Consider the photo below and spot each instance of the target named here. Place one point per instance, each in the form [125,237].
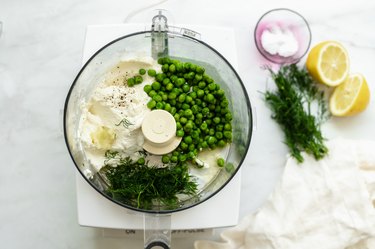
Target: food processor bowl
[177,46]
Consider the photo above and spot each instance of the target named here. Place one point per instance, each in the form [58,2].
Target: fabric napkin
[326,204]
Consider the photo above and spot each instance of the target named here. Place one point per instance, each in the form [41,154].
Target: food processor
[161,40]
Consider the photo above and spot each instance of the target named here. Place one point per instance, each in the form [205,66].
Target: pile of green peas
[196,102]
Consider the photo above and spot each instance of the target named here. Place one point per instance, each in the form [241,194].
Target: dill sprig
[144,186]
[125,122]
[292,108]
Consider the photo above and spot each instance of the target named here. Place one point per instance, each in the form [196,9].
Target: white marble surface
[40,54]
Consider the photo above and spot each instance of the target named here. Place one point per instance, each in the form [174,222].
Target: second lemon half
[328,63]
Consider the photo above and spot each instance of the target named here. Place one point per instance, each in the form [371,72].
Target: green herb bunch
[292,108]
[140,185]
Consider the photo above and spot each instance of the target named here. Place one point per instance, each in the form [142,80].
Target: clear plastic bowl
[185,49]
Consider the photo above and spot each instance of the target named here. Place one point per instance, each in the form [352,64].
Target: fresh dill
[292,107]
[125,122]
[144,186]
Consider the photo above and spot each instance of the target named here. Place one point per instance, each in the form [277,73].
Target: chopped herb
[126,123]
[291,105]
[140,185]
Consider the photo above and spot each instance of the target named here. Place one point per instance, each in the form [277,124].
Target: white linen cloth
[326,204]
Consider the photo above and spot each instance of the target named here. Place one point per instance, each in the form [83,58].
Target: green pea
[156,85]
[166,81]
[165,68]
[199,70]
[176,117]
[211,140]
[183,120]
[227,134]
[211,132]
[205,111]
[184,146]
[210,98]
[191,154]
[138,79]
[219,135]
[147,88]
[173,78]
[193,67]
[201,85]
[157,98]
[165,159]
[204,126]
[159,77]
[204,145]
[211,86]
[221,143]
[174,159]
[220,93]
[161,60]
[188,140]
[142,71]
[185,106]
[217,109]
[180,82]
[229,167]
[151,72]
[173,110]
[159,105]
[180,133]
[182,97]
[228,116]
[141,161]
[224,103]
[172,95]
[172,68]
[152,93]
[188,113]
[167,107]
[220,162]
[192,146]
[207,78]
[151,104]
[198,115]
[228,127]
[182,158]
[191,75]
[178,126]
[195,134]
[198,77]
[185,88]
[188,127]
[179,67]
[219,127]
[224,111]
[216,120]
[169,87]
[131,82]
[164,96]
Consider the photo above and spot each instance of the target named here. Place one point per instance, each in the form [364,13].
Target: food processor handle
[157,231]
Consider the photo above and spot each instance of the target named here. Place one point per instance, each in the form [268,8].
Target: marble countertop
[40,54]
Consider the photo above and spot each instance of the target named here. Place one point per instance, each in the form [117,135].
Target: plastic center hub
[159,130]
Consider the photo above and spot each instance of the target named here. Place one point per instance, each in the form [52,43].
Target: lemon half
[351,97]
[328,63]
